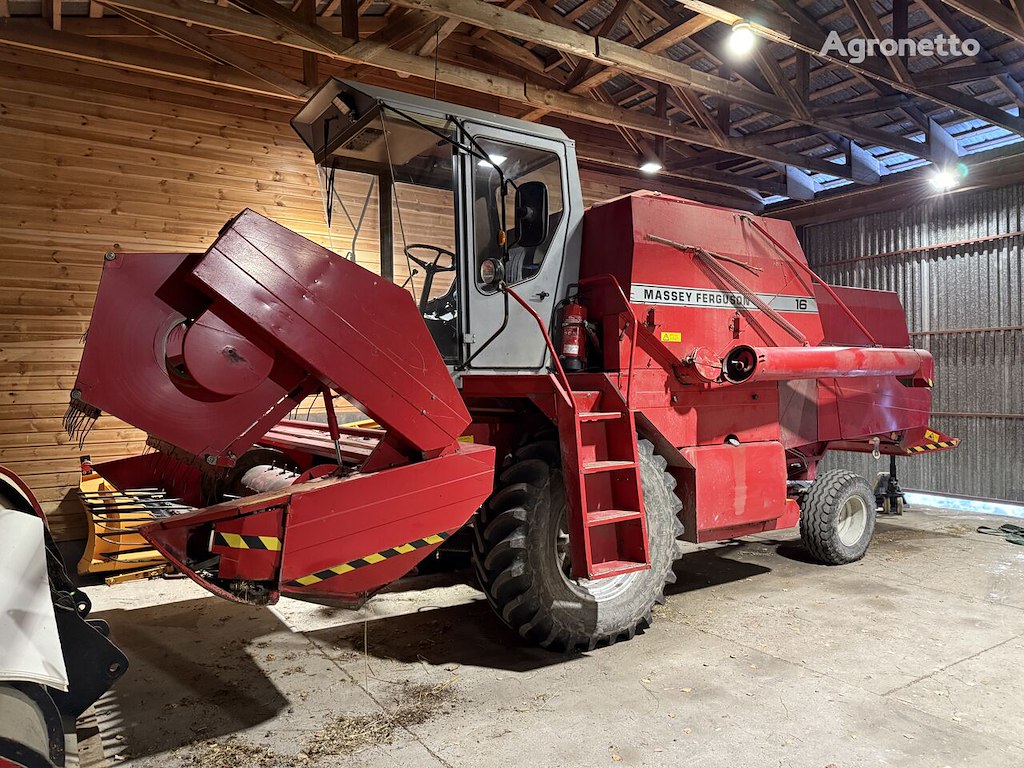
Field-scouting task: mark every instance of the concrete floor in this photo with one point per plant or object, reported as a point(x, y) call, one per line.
point(911, 657)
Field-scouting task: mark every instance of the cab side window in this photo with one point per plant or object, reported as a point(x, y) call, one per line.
point(520, 165)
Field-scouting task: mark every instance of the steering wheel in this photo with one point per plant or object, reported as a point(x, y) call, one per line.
point(431, 268)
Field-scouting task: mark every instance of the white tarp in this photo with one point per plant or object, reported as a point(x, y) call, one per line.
point(29, 644)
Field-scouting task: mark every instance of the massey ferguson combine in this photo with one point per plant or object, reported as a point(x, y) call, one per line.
point(571, 391)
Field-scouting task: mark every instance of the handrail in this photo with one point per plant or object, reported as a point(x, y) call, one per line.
point(550, 345)
point(632, 332)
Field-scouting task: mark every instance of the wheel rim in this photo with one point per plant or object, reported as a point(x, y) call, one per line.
point(599, 589)
point(853, 520)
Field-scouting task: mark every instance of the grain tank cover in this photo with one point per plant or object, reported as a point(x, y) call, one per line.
point(709, 278)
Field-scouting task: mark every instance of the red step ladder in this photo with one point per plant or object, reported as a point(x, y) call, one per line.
point(600, 464)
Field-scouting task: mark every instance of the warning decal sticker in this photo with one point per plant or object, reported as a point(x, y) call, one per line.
point(706, 298)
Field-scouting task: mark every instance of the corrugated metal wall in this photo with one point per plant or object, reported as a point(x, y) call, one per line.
point(957, 264)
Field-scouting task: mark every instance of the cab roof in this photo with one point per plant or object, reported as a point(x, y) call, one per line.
point(338, 105)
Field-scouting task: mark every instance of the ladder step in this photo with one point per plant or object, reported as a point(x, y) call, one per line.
point(600, 415)
point(616, 567)
point(586, 399)
point(608, 516)
point(606, 466)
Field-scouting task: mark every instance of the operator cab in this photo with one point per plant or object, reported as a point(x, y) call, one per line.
point(451, 204)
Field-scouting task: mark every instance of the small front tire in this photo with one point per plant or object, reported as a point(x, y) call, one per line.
point(837, 517)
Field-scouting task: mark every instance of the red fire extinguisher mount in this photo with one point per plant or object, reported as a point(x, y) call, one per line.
point(574, 335)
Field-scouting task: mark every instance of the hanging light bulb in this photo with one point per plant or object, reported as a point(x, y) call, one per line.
point(741, 40)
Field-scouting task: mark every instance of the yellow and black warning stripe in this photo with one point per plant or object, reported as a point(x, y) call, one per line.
point(240, 541)
point(934, 446)
point(371, 559)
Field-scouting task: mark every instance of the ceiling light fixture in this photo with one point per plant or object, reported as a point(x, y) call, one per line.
point(741, 40)
point(945, 179)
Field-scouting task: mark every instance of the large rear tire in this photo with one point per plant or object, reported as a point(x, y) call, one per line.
point(520, 551)
point(837, 517)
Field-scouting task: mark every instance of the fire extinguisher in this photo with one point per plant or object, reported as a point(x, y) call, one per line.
point(574, 335)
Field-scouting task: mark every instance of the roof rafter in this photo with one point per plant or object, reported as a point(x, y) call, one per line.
point(992, 13)
point(286, 29)
point(812, 39)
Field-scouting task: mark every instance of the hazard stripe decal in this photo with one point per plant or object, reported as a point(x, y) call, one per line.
point(934, 446)
point(238, 541)
point(371, 559)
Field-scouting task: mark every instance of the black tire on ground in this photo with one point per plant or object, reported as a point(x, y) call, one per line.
point(837, 517)
point(520, 555)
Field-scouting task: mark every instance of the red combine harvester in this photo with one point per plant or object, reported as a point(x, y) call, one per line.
point(575, 391)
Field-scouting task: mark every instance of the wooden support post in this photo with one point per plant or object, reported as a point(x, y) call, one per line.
point(387, 227)
point(661, 110)
point(803, 76)
point(723, 110)
point(901, 22)
point(51, 10)
point(310, 65)
point(350, 19)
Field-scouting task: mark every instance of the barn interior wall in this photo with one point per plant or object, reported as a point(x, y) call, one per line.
point(956, 262)
point(126, 164)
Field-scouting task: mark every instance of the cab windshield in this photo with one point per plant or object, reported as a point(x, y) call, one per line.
point(390, 204)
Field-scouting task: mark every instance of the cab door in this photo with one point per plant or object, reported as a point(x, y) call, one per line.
point(540, 275)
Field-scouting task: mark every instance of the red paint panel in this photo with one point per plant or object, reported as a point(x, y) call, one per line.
point(342, 519)
point(736, 487)
point(709, 320)
point(124, 368)
point(334, 520)
point(877, 405)
point(251, 563)
point(880, 311)
point(361, 334)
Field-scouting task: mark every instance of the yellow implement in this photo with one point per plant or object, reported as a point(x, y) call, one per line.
point(114, 517)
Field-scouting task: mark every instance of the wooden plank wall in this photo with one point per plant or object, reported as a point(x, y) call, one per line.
point(89, 165)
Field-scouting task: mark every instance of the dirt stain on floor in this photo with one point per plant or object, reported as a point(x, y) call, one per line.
point(414, 705)
point(409, 705)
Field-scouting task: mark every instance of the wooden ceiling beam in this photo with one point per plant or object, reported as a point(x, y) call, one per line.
point(870, 25)
point(992, 14)
point(599, 49)
point(812, 40)
point(863, 106)
point(306, 9)
point(1018, 8)
point(987, 169)
point(443, 31)
point(779, 82)
point(607, 156)
point(775, 79)
point(288, 29)
point(603, 30)
point(34, 36)
point(951, 25)
point(285, 28)
point(959, 73)
point(696, 190)
point(217, 50)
